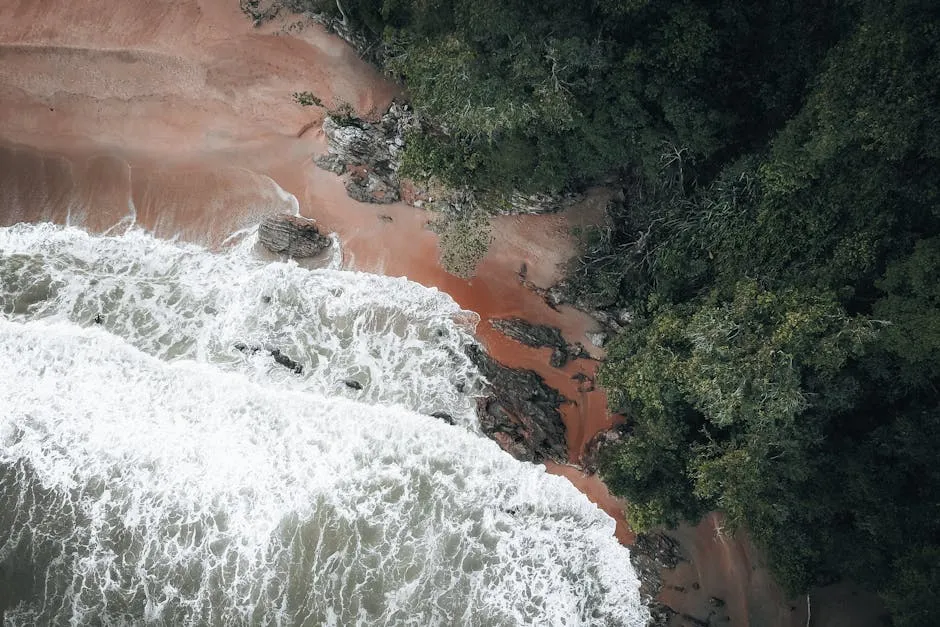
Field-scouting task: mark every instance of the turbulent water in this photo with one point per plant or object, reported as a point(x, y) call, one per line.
point(153, 472)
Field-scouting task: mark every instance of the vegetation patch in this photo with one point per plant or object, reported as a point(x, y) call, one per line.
point(465, 235)
point(777, 240)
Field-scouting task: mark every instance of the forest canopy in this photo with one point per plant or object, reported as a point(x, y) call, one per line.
point(778, 246)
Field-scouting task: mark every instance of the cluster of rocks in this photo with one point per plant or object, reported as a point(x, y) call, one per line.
point(610, 321)
point(613, 322)
point(279, 357)
point(519, 411)
point(650, 554)
point(291, 235)
point(369, 153)
point(540, 336)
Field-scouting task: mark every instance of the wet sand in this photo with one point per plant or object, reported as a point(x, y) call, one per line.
point(178, 114)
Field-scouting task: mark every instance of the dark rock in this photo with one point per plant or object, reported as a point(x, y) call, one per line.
point(553, 296)
point(537, 336)
point(258, 13)
point(696, 586)
point(578, 351)
point(598, 339)
point(660, 614)
point(716, 602)
point(278, 356)
point(609, 320)
point(286, 361)
point(558, 358)
point(244, 348)
point(293, 236)
point(696, 622)
point(661, 547)
point(650, 554)
point(360, 143)
point(443, 415)
point(520, 411)
point(385, 218)
point(266, 299)
point(556, 295)
point(585, 383)
point(98, 319)
point(353, 384)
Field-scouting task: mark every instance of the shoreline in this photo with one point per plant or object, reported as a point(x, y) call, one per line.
point(98, 124)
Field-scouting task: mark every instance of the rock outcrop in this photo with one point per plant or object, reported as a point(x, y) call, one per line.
point(293, 236)
point(650, 554)
point(540, 336)
point(536, 336)
point(369, 153)
point(520, 411)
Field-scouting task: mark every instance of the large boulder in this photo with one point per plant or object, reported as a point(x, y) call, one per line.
point(358, 143)
point(520, 411)
point(536, 336)
point(293, 236)
point(369, 152)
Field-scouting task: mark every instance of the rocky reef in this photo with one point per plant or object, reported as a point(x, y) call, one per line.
point(519, 411)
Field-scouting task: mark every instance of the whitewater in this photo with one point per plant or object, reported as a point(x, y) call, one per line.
point(154, 471)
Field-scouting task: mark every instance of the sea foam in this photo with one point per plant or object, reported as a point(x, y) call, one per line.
point(148, 473)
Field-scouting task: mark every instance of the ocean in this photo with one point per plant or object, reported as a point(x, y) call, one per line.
point(158, 465)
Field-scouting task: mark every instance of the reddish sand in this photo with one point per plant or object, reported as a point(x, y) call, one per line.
point(179, 113)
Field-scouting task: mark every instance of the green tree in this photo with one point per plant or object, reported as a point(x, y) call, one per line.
point(744, 388)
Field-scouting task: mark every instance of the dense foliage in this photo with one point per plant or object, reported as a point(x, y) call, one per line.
point(786, 365)
point(544, 95)
point(779, 245)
